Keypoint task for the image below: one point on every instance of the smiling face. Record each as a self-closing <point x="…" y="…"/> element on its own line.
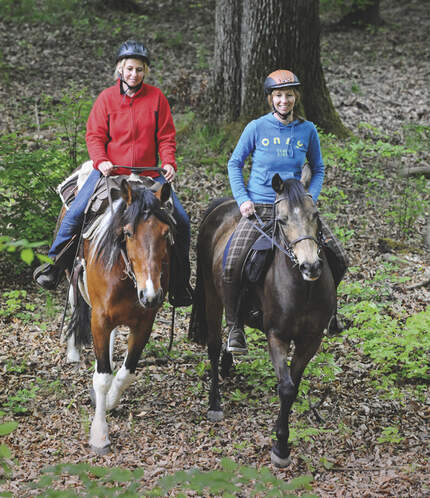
<point x="283" y="100"/>
<point x="133" y="72"/>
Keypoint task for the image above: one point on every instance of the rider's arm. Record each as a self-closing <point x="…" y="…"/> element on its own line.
<point x="166" y="133"/>
<point x="316" y="164"/>
<point x="243" y="149"/>
<point x="97" y="132"/>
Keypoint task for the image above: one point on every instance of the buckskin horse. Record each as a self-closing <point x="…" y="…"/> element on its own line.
<point x="127" y="274"/>
<point x="296" y="297"/>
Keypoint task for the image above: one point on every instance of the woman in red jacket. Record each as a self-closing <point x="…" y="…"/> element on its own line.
<point x="130" y="124"/>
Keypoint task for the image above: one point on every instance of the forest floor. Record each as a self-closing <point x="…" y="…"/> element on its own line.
<point x="379" y="77"/>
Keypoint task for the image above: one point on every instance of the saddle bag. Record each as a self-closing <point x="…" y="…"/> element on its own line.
<point x="258" y="260"/>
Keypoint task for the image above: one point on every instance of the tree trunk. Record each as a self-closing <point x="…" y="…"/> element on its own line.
<point x="256" y="37"/>
<point x="227" y="70"/>
<point x="362" y="13"/>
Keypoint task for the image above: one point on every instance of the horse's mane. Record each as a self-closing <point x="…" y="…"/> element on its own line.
<point x="109" y="238"/>
<point x="295" y="192"/>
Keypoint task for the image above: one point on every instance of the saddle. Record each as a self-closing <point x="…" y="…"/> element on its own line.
<point x="257" y="259"/>
<point x="107" y="189"/>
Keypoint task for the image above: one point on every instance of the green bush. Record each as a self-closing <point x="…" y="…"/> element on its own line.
<point x="226" y="482"/>
<point x="400" y="352"/>
<point x="33" y="166"/>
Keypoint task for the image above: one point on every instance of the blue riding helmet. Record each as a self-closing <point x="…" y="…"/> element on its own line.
<point x="132" y="49"/>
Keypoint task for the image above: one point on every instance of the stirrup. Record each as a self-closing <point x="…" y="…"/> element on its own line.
<point x="236" y="342"/>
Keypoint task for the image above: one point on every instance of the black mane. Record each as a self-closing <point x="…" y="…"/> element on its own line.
<point x="295" y="192"/>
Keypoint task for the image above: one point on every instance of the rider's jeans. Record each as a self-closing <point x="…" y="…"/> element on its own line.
<point x="74" y="215"/>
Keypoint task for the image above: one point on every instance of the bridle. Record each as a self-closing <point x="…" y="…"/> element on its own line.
<point x="286" y="246"/>
<point x="128" y="267"/>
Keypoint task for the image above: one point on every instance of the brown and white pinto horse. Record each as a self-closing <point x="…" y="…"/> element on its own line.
<point x="297" y="297"/>
<point x="127" y="275"/>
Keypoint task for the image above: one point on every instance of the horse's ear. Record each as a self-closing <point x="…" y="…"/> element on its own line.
<point x="126" y="192"/>
<point x="277" y="183"/>
<point x="166" y="190"/>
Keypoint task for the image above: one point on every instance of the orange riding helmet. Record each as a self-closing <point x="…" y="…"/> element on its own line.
<point x="280" y="78"/>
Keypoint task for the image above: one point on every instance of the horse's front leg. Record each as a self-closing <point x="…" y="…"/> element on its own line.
<point x="126" y="374"/>
<point x="213" y="319"/>
<point x="287" y="391"/>
<point x="102" y="380"/>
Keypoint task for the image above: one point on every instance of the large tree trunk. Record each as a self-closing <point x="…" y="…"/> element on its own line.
<point x="256" y="37"/>
<point x="227" y="71"/>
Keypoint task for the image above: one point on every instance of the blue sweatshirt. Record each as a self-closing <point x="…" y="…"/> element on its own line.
<point x="275" y="148"/>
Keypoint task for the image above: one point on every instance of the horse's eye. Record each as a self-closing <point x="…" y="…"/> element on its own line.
<point x="127" y="233"/>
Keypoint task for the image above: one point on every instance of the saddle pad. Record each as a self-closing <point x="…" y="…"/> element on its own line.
<point x="227" y="247"/>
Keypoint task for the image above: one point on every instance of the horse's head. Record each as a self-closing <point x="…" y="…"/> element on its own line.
<point x="298" y="218"/>
<point x="147" y="229"/>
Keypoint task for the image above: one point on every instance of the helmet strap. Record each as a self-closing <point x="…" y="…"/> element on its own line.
<point x="280" y="114"/>
<point x="133" y="88"/>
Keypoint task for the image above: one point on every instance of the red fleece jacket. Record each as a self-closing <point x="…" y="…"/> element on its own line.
<point x="131" y="131"/>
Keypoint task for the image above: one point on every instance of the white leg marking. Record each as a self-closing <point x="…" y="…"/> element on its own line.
<point x="121" y="381"/>
<point x="111" y="345"/>
<point x="73" y="355"/>
<point x="99" y="429"/>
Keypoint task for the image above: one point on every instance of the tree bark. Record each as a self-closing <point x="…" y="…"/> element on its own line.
<point x="227" y="72"/>
<point x="256" y="37"/>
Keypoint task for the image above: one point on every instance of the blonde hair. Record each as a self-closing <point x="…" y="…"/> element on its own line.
<point x="120" y="66"/>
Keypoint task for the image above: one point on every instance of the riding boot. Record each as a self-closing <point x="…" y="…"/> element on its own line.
<point x="49" y="275"/>
<point x="236" y="342"/>
<point x="180" y="290"/>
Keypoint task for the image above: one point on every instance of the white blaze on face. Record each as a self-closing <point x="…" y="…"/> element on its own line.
<point x="149" y="286"/>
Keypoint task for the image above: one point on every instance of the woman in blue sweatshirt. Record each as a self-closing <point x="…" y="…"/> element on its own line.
<point x="278" y="142"/>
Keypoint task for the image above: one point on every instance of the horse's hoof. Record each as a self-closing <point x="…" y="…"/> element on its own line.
<point x="104" y="450"/>
<point x="278" y="461"/>
<point x="215" y="416"/>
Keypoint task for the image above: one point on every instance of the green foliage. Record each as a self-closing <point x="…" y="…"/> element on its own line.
<point x="14" y="305"/>
<point x="390" y="435"/>
<point x="25" y="248"/>
<point x="34" y="167"/>
<point x="405" y="208"/>
<point x="228" y="481"/>
<point x="402" y="201"/>
<point x="399" y="352"/>
<point x="18" y="402"/>
<point x="5" y="452"/>
<point x="50" y="11"/>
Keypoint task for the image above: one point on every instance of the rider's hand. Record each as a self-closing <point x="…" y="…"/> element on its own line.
<point x="170" y="173"/>
<point x="106" y="168"/>
<point x="247" y="208"/>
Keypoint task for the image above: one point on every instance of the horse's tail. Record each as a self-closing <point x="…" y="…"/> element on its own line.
<point x="80" y="323"/>
<point x="198" y="329"/>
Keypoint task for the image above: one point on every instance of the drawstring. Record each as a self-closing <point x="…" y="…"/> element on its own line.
<point x="290" y="149"/>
